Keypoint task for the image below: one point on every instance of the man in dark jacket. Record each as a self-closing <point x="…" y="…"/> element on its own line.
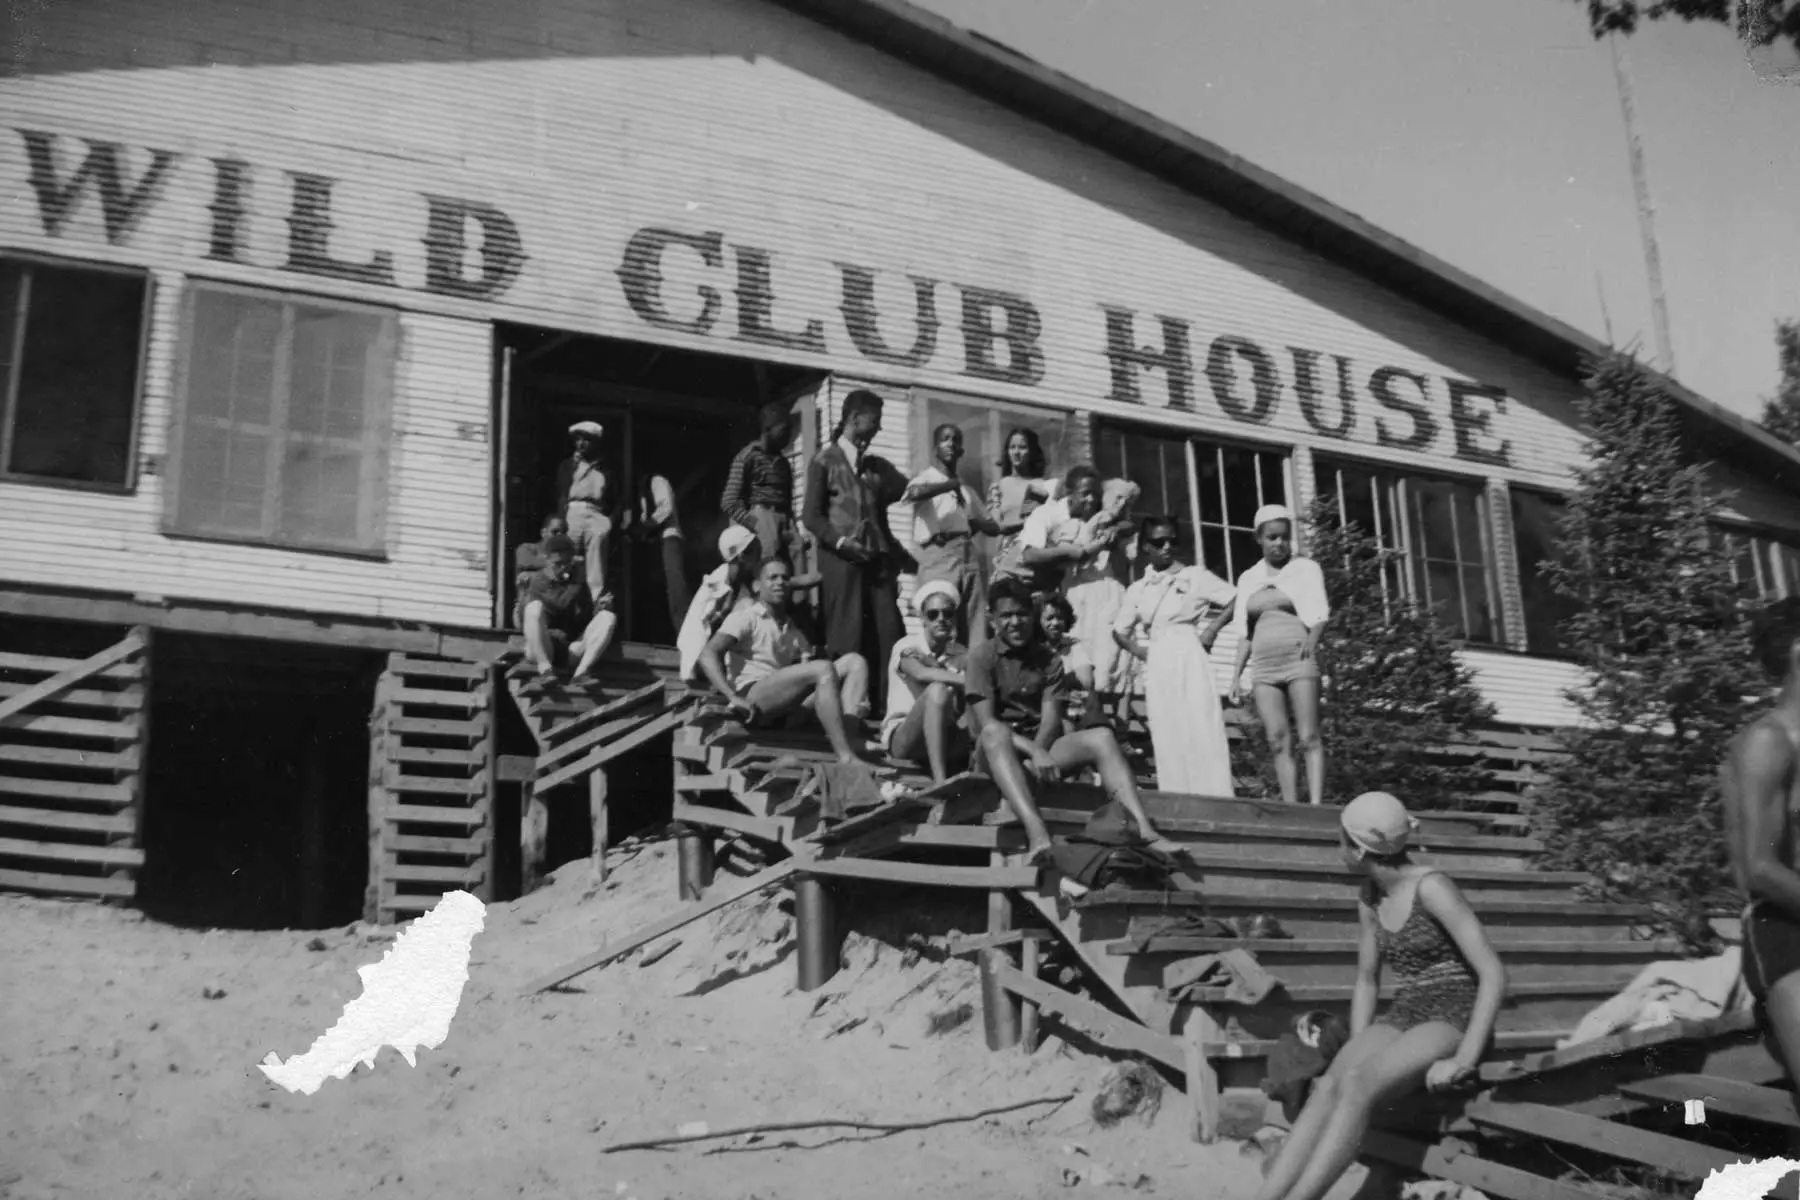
<point x="848" y="491"/>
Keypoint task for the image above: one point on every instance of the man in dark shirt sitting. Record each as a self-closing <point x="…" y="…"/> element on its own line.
<point x="528" y="560"/>
<point x="559" y="616"/>
<point x="1015" y="689"/>
<point x="759" y="488"/>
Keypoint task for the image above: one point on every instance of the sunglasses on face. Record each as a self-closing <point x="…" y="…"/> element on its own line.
<point x="939" y="614"/>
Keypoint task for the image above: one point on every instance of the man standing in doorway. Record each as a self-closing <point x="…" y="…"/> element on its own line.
<point x="1761" y="778"/>
<point x="759" y="490"/>
<point x="588" y="503"/>
<point x="848" y="491"/>
<point x="659" y="521"/>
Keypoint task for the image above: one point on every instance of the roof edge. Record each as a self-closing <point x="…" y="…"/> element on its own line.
<point x="1481" y="306"/>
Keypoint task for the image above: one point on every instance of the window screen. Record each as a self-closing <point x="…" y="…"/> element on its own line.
<point x="1537" y="538"/>
<point x="985" y="427"/>
<point x="71" y="349"/>
<point x="284" y="421"/>
<point x="1440" y="533"/>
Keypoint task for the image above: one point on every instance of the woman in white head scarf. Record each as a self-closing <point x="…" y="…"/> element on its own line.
<point x="1448" y="985"/>
<point x="924" y="722"/>
<point x="1280" y="617"/>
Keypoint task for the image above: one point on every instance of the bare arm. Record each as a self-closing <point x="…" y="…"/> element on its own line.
<point x="915" y="492"/>
<point x="1367" y="987"/>
<point x="1043" y="556"/>
<point x="1237" y="668"/>
<point x="1130" y="645"/>
<point x="920" y="671"/>
<point x="1764" y="766"/>
<point x="1313" y="635"/>
<point x="1444" y="901"/>
<point x="1210" y="634"/>
<point x="712" y="665"/>
<point x="1050" y="719"/>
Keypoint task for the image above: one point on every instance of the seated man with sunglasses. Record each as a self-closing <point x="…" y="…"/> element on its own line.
<point x="924" y="722"/>
<point x="1016" y="691"/>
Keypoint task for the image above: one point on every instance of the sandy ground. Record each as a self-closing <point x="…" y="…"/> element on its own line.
<point x="119" y="1078"/>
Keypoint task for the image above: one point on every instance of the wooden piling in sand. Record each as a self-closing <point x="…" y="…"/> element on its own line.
<point x="694" y="860"/>
<point x="816" y="932"/>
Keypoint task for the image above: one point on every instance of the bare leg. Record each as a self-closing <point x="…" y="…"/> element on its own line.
<point x="1303" y="694"/>
<point x="1098" y="748"/>
<point x="1363" y="1089"/>
<point x="594" y="640"/>
<point x="943" y="712"/>
<point x="853" y="686"/>
<point x="1295" y="1152"/>
<point x="537" y="637"/>
<point x="1271" y="706"/>
<point x="1003" y="764"/>
<point x="791" y="686"/>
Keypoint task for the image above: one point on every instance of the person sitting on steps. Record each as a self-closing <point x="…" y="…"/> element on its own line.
<point x="559" y="616"/>
<point x="767" y="669"/>
<point x="1015" y="687"/>
<point x="924" y="721"/>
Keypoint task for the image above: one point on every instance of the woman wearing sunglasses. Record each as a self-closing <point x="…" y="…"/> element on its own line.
<point x="1159" y="624"/>
<point x="924" y="722"/>
<point x="1448" y="988"/>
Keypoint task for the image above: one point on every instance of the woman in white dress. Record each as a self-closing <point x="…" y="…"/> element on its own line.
<point x="1159" y="624"/>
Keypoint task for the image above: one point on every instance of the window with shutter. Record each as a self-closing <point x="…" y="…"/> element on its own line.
<point x="284" y="422"/>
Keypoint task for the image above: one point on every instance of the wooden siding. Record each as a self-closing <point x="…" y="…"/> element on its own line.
<point x="586" y="121"/>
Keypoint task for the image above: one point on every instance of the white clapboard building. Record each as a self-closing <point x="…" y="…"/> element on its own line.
<point x="298" y="301"/>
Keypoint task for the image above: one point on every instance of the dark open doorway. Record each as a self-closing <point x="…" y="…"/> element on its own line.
<point x="675" y="413"/>
<point x="256" y="805"/>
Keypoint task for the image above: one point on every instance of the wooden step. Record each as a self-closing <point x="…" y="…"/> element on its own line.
<point x="1311" y="913"/>
<point x="126" y="759"/>
<point x="408" y="666"/>
<point x="1259" y="875"/>
<point x="426" y="814"/>
<point x="107" y="731"/>
<point x="72" y="852"/>
<point x="1684" y="1159"/>
<point x="414" y="697"/>
<point x="1764" y="1105"/>
<point x="413" y="843"/>
<point x="472" y="730"/>
<point x="1314" y="843"/>
<point x="1314" y="960"/>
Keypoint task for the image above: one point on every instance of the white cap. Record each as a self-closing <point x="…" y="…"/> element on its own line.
<point x="591" y="429"/>
<point x="734" y="541"/>
<point x="1270" y="512"/>
<point x="1378" y="823"/>
<point x="936" y="587"/>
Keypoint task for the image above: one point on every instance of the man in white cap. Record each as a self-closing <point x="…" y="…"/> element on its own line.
<point x="924" y="722"/>
<point x="721" y="590"/>
<point x="588" y="503"/>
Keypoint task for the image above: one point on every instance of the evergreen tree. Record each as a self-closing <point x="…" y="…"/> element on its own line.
<point x="1394" y="690"/>
<point x="1781" y="412"/>
<point x="1661" y="635"/>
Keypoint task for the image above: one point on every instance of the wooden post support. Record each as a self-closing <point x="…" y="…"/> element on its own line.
<point x="694" y="860"/>
<point x="1202" y="1077"/>
<point x="314" y="790"/>
<point x="495" y="685"/>
<point x="534" y="829"/>
<point x="999" y="1007"/>
<point x="1028" y="1009"/>
<point x="816" y="931"/>
<point x="597" y="818"/>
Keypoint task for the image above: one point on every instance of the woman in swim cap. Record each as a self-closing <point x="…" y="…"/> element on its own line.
<point x="1448" y="987"/>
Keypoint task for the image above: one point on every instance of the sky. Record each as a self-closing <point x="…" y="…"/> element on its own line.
<point x="1490" y="134"/>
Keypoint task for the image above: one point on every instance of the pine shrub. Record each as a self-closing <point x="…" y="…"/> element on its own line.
<point x="1660" y="632"/>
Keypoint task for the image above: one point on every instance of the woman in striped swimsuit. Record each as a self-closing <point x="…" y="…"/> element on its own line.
<point x="1448" y="986"/>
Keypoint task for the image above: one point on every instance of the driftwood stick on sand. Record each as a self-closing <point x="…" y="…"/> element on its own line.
<point x="829" y="1123"/>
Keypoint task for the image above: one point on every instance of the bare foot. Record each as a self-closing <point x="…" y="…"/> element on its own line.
<point x="1039" y="854"/>
<point x="1171" y="848"/>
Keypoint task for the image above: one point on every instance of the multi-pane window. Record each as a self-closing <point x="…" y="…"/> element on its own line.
<point x="71" y="355"/>
<point x="985" y="427"/>
<point x="1537" y="538"/>
<point x="1213" y="488"/>
<point x="1766" y="568"/>
<point x="283" y="437"/>
<point x="1440" y="533"/>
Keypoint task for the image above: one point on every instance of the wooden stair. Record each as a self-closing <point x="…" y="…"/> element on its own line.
<point x="431" y="769"/>
<point x="73" y="736"/>
<point x="579" y="728"/>
<point x="1543" y="1123"/>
